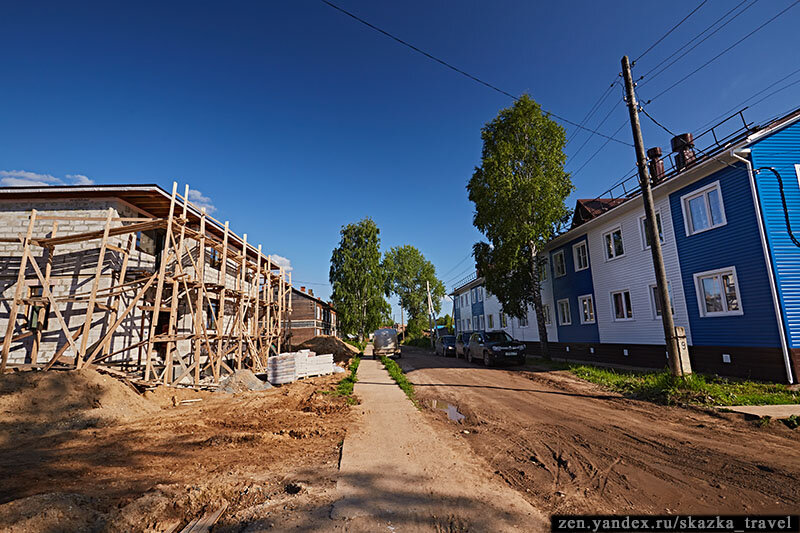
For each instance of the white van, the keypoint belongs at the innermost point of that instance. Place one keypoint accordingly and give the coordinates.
(385, 343)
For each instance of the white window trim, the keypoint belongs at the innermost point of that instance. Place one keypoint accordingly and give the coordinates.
(614, 311)
(548, 318)
(558, 312)
(545, 272)
(653, 301)
(555, 272)
(575, 255)
(698, 289)
(642, 230)
(694, 194)
(605, 251)
(797, 171)
(580, 309)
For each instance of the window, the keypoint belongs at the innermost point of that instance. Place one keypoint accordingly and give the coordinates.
(503, 320)
(548, 320)
(564, 316)
(523, 322)
(455, 303)
(490, 318)
(483, 322)
(480, 294)
(703, 210)
(586, 304)
(469, 325)
(623, 309)
(544, 269)
(613, 243)
(655, 301)
(476, 324)
(37, 311)
(580, 255)
(559, 264)
(718, 293)
(211, 314)
(214, 259)
(645, 236)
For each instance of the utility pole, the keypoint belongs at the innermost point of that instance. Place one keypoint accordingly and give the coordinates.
(675, 362)
(431, 317)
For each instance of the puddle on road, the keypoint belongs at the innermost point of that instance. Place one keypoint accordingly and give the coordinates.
(451, 410)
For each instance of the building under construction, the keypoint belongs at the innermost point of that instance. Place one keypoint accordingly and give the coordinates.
(134, 281)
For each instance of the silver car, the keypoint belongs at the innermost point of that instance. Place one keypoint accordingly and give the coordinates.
(385, 343)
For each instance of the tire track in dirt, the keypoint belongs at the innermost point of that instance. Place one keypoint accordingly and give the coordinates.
(570, 446)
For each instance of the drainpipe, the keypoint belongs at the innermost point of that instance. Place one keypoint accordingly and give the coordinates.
(767, 258)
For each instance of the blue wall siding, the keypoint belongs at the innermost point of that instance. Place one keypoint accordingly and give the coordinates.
(571, 286)
(737, 244)
(781, 150)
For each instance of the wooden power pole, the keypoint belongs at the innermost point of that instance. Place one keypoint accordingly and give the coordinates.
(676, 363)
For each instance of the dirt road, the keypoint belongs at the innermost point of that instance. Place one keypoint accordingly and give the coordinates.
(569, 446)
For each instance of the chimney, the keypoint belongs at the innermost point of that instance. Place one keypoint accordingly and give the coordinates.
(683, 146)
(311, 291)
(302, 289)
(655, 164)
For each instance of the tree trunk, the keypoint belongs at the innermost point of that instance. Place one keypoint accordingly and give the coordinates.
(537, 304)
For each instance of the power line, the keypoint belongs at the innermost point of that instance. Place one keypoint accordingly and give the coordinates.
(675, 27)
(598, 150)
(701, 67)
(458, 70)
(591, 112)
(647, 78)
(610, 111)
(743, 102)
(457, 264)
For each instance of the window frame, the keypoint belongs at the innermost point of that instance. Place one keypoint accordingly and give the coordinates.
(568, 322)
(480, 293)
(555, 264)
(544, 269)
(575, 255)
(614, 308)
(611, 231)
(699, 291)
(653, 287)
(482, 319)
(548, 318)
(643, 230)
(503, 320)
(702, 191)
(523, 322)
(581, 313)
(490, 320)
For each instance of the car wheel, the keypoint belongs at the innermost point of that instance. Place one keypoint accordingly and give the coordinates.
(487, 360)
(467, 356)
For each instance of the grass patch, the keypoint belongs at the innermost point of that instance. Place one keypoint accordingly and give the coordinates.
(698, 389)
(345, 387)
(399, 377)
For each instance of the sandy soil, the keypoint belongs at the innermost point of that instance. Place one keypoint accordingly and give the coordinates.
(83, 452)
(570, 446)
(399, 474)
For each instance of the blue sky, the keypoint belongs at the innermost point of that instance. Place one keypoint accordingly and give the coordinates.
(291, 119)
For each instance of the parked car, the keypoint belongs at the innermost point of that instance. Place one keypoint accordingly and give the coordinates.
(494, 347)
(385, 343)
(462, 340)
(446, 345)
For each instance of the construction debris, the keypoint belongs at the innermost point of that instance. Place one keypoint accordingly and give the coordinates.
(342, 352)
(243, 380)
(289, 367)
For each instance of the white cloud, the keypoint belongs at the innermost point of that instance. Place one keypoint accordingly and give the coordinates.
(25, 178)
(282, 261)
(199, 200)
(80, 179)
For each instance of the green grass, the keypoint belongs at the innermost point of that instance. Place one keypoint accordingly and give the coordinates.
(345, 387)
(419, 342)
(399, 377)
(698, 389)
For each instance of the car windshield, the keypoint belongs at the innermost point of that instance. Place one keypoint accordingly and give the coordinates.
(448, 339)
(498, 336)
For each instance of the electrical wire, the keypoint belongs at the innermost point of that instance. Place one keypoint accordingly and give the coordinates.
(647, 76)
(675, 27)
(610, 111)
(457, 264)
(598, 150)
(731, 47)
(783, 201)
(462, 72)
(592, 111)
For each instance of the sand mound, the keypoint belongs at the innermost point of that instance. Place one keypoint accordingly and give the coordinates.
(242, 380)
(323, 344)
(38, 402)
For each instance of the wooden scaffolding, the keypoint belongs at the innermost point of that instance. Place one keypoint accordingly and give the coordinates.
(208, 305)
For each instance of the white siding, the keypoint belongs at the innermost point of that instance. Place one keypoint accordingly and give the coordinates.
(634, 272)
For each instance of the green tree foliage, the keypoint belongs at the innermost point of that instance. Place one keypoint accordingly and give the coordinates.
(447, 322)
(407, 272)
(519, 192)
(357, 279)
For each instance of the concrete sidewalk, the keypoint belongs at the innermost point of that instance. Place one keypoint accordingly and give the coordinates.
(399, 474)
(772, 411)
